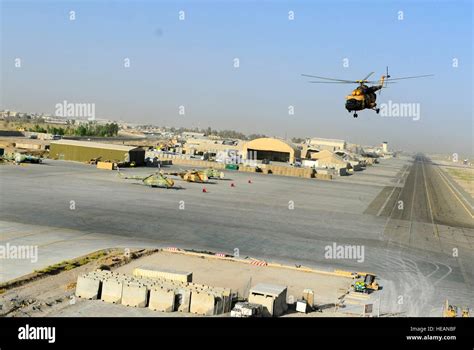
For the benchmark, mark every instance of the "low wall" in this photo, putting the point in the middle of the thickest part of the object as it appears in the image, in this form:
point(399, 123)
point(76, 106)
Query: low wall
point(266, 168)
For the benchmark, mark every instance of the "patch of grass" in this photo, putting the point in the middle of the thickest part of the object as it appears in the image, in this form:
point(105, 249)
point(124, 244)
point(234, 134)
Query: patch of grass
point(71, 264)
point(462, 174)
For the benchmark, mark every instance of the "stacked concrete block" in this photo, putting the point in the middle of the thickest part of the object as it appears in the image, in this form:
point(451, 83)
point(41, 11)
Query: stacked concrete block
point(227, 300)
point(88, 287)
point(223, 299)
point(218, 308)
point(155, 272)
point(183, 300)
point(112, 290)
point(219, 305)
point(134, 294)
point(102, 273)
point(202, 303)
point(160, 293)
point(162, 299)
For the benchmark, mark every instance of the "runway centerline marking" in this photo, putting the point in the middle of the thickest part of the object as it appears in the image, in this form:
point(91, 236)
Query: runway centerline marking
point(411, 209)
point(435, 227)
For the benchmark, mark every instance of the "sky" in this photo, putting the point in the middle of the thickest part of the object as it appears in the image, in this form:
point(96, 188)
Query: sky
point(191, 63)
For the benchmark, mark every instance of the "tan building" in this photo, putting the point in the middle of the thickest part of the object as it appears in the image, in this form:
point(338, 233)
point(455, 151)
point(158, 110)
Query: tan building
point(201, 146)
point(328, 159)
point(272, 149)
point(83, 151)
point(327, 144)
point(307, 150)
point(271, 297)
point(321, 155)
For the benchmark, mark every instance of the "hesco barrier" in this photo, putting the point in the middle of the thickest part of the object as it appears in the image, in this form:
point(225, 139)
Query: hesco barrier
point(324, 176)
point(266, 169)
point(198, 163)
point(106, 165)
point(288, 171)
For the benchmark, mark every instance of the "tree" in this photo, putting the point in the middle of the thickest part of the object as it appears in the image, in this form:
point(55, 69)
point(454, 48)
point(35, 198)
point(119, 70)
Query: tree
point(255, 136)
point(297, 140)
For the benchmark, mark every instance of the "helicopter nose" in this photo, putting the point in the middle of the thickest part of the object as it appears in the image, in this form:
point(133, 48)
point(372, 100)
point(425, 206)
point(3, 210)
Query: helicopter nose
point(354, 105)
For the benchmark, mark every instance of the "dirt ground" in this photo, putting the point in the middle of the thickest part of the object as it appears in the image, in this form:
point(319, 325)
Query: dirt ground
point(54, 295)
point(241, 276)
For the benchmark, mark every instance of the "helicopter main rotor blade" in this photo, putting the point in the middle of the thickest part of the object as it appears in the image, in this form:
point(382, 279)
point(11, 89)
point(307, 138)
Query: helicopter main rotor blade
point(332, 82)
point(368, 76)
point(378, 82)
point(413, 77)
point(333, 79)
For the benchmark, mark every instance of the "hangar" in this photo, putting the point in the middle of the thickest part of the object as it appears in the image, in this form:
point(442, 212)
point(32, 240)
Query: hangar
point(272, 149)
point(84, 151)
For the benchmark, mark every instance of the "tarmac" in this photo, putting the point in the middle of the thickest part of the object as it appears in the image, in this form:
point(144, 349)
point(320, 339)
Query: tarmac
point(423, 253)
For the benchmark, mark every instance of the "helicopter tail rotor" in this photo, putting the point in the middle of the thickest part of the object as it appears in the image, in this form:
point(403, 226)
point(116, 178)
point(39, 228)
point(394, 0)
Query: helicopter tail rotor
point(387, 76)
point(383, 80)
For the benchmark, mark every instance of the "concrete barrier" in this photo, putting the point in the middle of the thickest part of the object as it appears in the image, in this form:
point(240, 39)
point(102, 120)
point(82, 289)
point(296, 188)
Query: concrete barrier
point(134, 294)
point(227, 300)
point(155, 272)
point(88, 287)
point(183, 300)
point(219, 305)
point(202, 303)
point(112, 291)
point(161, 299)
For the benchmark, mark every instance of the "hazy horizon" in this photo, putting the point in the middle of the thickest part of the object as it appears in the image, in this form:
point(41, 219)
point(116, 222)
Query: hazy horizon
point(190, 63)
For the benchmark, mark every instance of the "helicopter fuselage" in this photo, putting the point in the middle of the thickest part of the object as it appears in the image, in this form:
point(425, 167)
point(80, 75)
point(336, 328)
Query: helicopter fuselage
point(362, 97)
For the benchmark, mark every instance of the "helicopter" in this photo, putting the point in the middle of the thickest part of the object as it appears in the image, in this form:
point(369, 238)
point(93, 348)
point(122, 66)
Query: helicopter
point(152, 180)
point(214, 173)
point(18, 158)
point(191, 175)
point(363, 97)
